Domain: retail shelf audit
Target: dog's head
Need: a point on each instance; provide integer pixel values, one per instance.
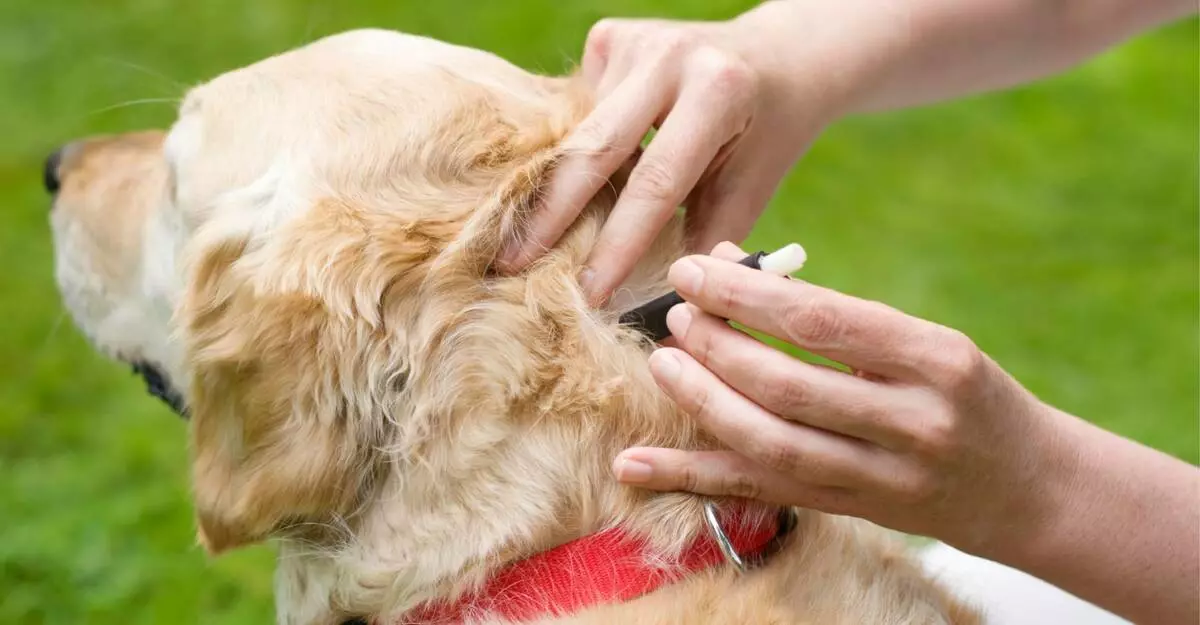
(305, 257)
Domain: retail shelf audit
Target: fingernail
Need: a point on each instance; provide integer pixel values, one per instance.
(686, 275)
(664, 365)
(678, 319)
(508, 256)
(632, 471)
(586, 277)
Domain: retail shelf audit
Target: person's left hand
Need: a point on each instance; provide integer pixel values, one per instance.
(731, 117)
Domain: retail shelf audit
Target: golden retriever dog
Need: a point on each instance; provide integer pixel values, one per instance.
(303, 263)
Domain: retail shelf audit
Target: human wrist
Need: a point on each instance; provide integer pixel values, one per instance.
(1043, 517)
(824, 59)
(770, 38)
(1017, 493)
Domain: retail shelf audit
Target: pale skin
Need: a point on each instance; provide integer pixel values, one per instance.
(925, 434)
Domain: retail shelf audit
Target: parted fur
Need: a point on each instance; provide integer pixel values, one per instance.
(365, 389)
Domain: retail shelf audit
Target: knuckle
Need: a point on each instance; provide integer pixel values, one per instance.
(781, 456)
(812, 321)
(960, 363)
(917, 489)
(700, 343)
(595, 140)
(740, 485)
(834, 500)
(619, 247)
(783, 393)
(728, 294)
(697, 400)
(653, 180)
(672, 42)
(600, 35)
(723, 71)
(935, 436)
(689, 478)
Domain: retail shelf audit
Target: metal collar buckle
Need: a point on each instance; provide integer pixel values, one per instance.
(787, 522)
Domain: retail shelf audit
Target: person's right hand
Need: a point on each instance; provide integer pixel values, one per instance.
(729, 127)
(925, 434)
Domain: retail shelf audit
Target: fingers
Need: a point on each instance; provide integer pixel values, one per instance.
(728, 251)
(863, 334)
(701, 123)
(596, 149)
(721, 474)
(786, 447)
(724, 250)
(821, 397)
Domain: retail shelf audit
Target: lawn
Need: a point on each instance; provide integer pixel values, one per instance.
(1057, 225)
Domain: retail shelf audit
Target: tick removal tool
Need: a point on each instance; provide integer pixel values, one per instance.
(651, 317)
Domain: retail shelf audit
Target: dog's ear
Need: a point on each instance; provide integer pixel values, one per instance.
(524, 149)
(273, 441)
(498, 219)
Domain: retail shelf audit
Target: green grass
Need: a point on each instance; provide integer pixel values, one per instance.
(1057, 225)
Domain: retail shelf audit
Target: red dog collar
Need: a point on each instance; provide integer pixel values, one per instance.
(607, 567)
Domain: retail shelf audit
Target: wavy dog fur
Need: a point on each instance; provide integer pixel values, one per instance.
(307, 254)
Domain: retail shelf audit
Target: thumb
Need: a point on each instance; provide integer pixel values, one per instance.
(726, 209)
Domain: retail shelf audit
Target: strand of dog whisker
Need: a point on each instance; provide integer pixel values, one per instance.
(129, 103)
(53, 332)
(40, 353)
(145, 70)
(568, 60)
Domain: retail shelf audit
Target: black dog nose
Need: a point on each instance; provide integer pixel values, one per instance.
(50, 175)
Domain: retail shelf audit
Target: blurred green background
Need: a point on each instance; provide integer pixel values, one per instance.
(1056, 224)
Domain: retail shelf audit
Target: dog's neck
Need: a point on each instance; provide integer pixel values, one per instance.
(518, 460)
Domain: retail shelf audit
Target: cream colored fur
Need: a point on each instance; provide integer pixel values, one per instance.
(307, 255)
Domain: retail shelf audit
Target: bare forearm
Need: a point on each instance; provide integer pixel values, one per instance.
(1126, 535)
(884, 55)
(958, 48)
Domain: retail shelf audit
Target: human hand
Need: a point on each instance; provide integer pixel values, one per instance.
(737, 102)
(729, 127)
(927, 435)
